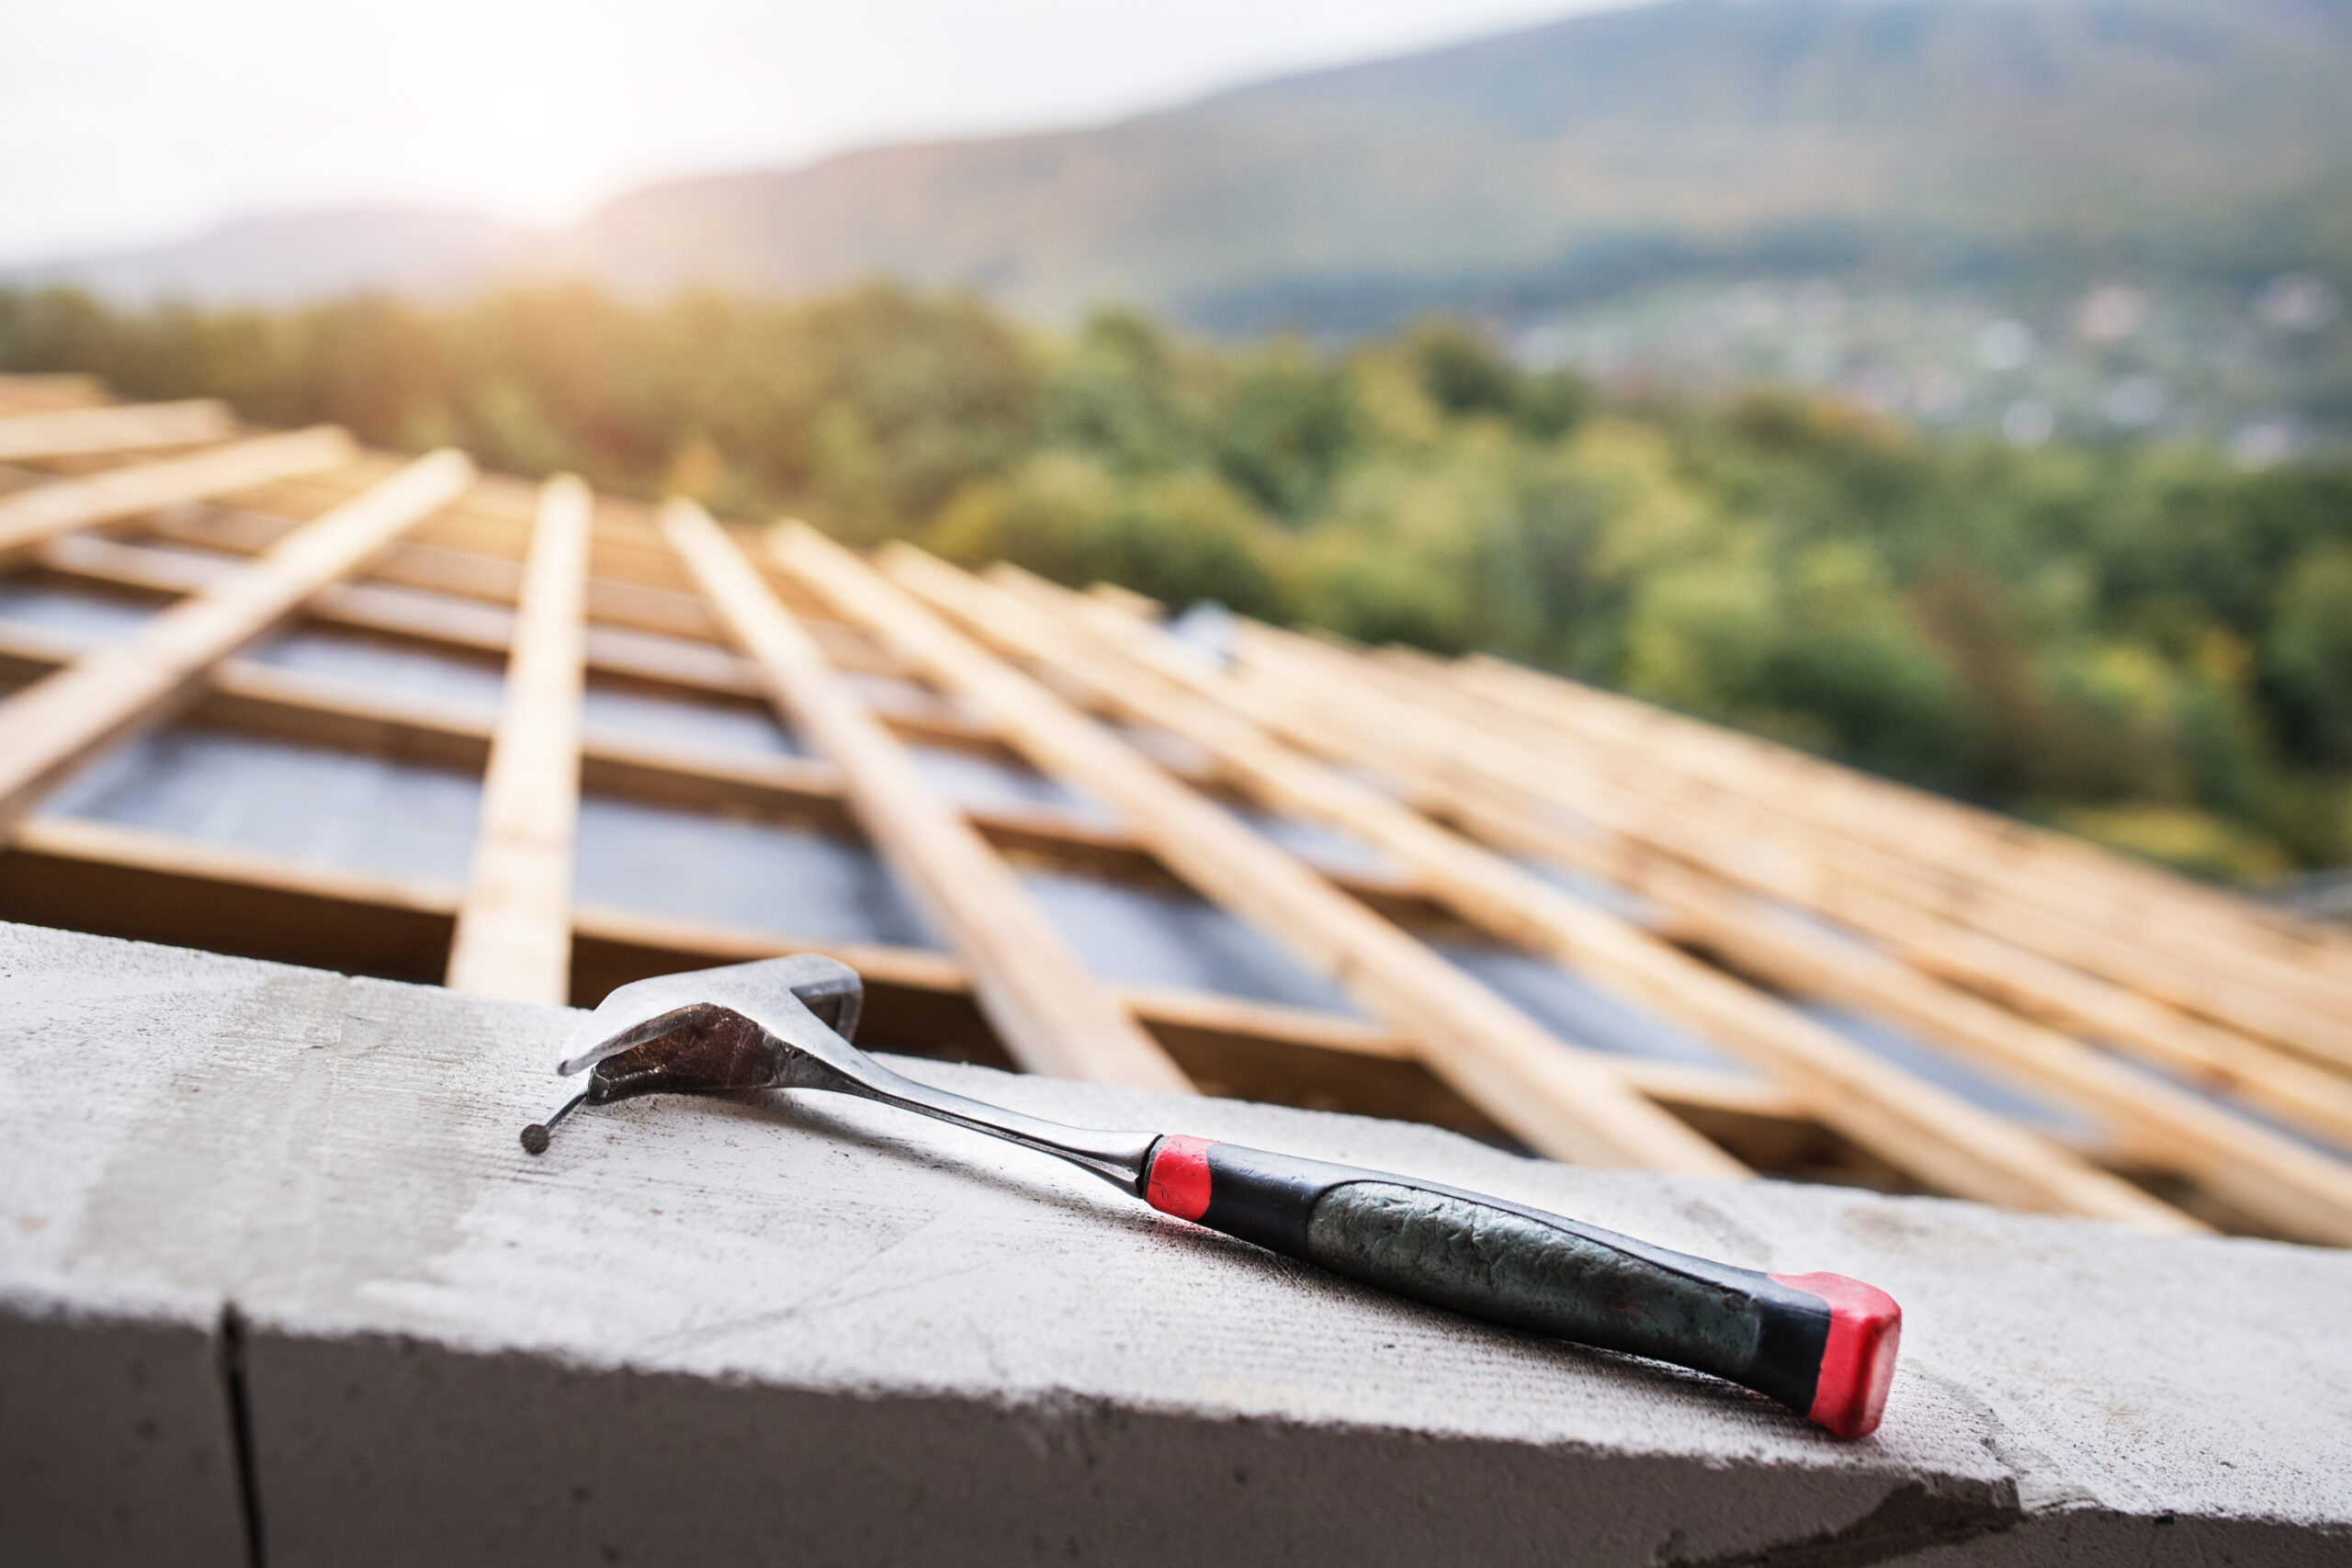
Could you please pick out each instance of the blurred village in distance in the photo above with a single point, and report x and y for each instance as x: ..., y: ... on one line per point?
x: 2266, y: 376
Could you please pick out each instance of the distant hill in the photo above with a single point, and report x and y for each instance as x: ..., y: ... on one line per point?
x: 281, y: 257
x: 1908, y: 139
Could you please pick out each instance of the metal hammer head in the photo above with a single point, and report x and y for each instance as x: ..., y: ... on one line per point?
x: 734, y: 1028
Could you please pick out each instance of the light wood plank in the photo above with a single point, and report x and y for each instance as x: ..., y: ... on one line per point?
x: 59, y: 720
x: 1051, y: 1015
x: 465, y: 573
x: 2110, y: 889
x: 1514, y: 795
x: 1242, y: 1019
x: 124, y: 428
x: 2253, y: 995
x: 2293, y: 1189
x: 29, y: 516
x: 514, y: 931
x: 429, y: 598
x: 1920, y: 1129
x: 1567, y: 1102
x: 1792, y: 954
x: 2091, y: 902
x: 41, y: 394
x: 430, y: 616
x: 1627, y: 823
x: 321, y: 710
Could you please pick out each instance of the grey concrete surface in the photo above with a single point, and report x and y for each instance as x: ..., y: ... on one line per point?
x: 814, y: 1331
x: 115, y: 1444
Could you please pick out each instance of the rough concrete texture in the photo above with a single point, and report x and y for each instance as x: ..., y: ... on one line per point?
x: 814, y: 1330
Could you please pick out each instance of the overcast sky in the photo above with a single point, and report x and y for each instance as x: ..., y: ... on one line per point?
x: 124, y: 122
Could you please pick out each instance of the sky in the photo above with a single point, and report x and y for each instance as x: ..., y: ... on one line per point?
x: 129, y: 123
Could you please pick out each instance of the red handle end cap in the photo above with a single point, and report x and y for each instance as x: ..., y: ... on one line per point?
x: 1178, y: 1183
x: 1865, y: 1329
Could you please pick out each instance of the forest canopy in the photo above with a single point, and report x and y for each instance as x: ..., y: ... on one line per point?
x: 2136, y: 640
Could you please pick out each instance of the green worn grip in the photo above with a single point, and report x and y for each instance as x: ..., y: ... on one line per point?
x: 1502, y: 1266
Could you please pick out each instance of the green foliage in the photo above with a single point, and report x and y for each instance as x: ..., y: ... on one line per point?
x: 2309, y: 644
x: 1288, y: 427
x: 1181, y: 536
x: 2142, y: 642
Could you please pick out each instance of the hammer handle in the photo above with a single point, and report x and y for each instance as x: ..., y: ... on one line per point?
x: 1820, y: 1344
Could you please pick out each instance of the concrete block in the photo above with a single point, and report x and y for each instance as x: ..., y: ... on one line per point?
x: 814, y: 1330
x: 116, y: 1442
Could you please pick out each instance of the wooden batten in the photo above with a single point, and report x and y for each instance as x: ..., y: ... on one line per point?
x: 2164, y: 943
x: 1754, y: 872
x: 438, y: 597
x: 45, y: 511
x: 159, y: 887
x: 122, y: 428
x: 2294, y: 1190
x: 1051, y: 1015
x: 513, y: 926
x: 1619, y: 830
x: 2123, y: 897
x: 245, y: 695
x: 65, y: 717
x: 1568, y: 1103
x: 1914, y: 1127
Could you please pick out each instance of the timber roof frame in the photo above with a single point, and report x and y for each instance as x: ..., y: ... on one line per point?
x: 1768, y: 877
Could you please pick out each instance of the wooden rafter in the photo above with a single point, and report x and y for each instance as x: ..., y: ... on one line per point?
x: 164, y: 887
x: 2293, y: 1005
x: 1051, y: 1015
x: 1912, y: 1126
x: 2122, y: 897
x: 121, y: 428
x: 65, y: 717
x: 332, y: 711
x: 1623, y: 833
x: 45, y: 511
x: 428, y: 612
x: 514, y: 931
x: 1564, y: 1101
x: 2010, y: 947
x: 2292, y: 1187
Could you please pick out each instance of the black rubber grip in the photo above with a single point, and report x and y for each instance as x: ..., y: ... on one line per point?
x: 1519, y: 1266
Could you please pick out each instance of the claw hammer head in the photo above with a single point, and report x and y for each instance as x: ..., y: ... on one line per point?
x: 734, y: 1028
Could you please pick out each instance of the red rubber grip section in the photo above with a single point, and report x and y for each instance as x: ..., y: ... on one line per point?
x: 1865, y: 1328
x: 1178, y: 1183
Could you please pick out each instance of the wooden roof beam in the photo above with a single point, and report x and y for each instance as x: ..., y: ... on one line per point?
x: 1855, y: 887
x: 2292, y: 1190
x: 2100, y: 887
x: 1565, y: 1103
x: 128, y: 427
x: 1516, y: 797
x: 514, y: 926
x: 29, y: 516
x: 246, y: 695
x: 428, y: 615
x: 1925, y: 1131
x: 2169, y: 946
x: 1049, y: 1012
x: 63, y: 718
x: 465, y: 601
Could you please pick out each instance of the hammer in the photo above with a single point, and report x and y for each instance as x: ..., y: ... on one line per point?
x: 1820, y: 1344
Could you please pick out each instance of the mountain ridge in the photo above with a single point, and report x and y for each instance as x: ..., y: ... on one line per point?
x: 1912, y: 136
